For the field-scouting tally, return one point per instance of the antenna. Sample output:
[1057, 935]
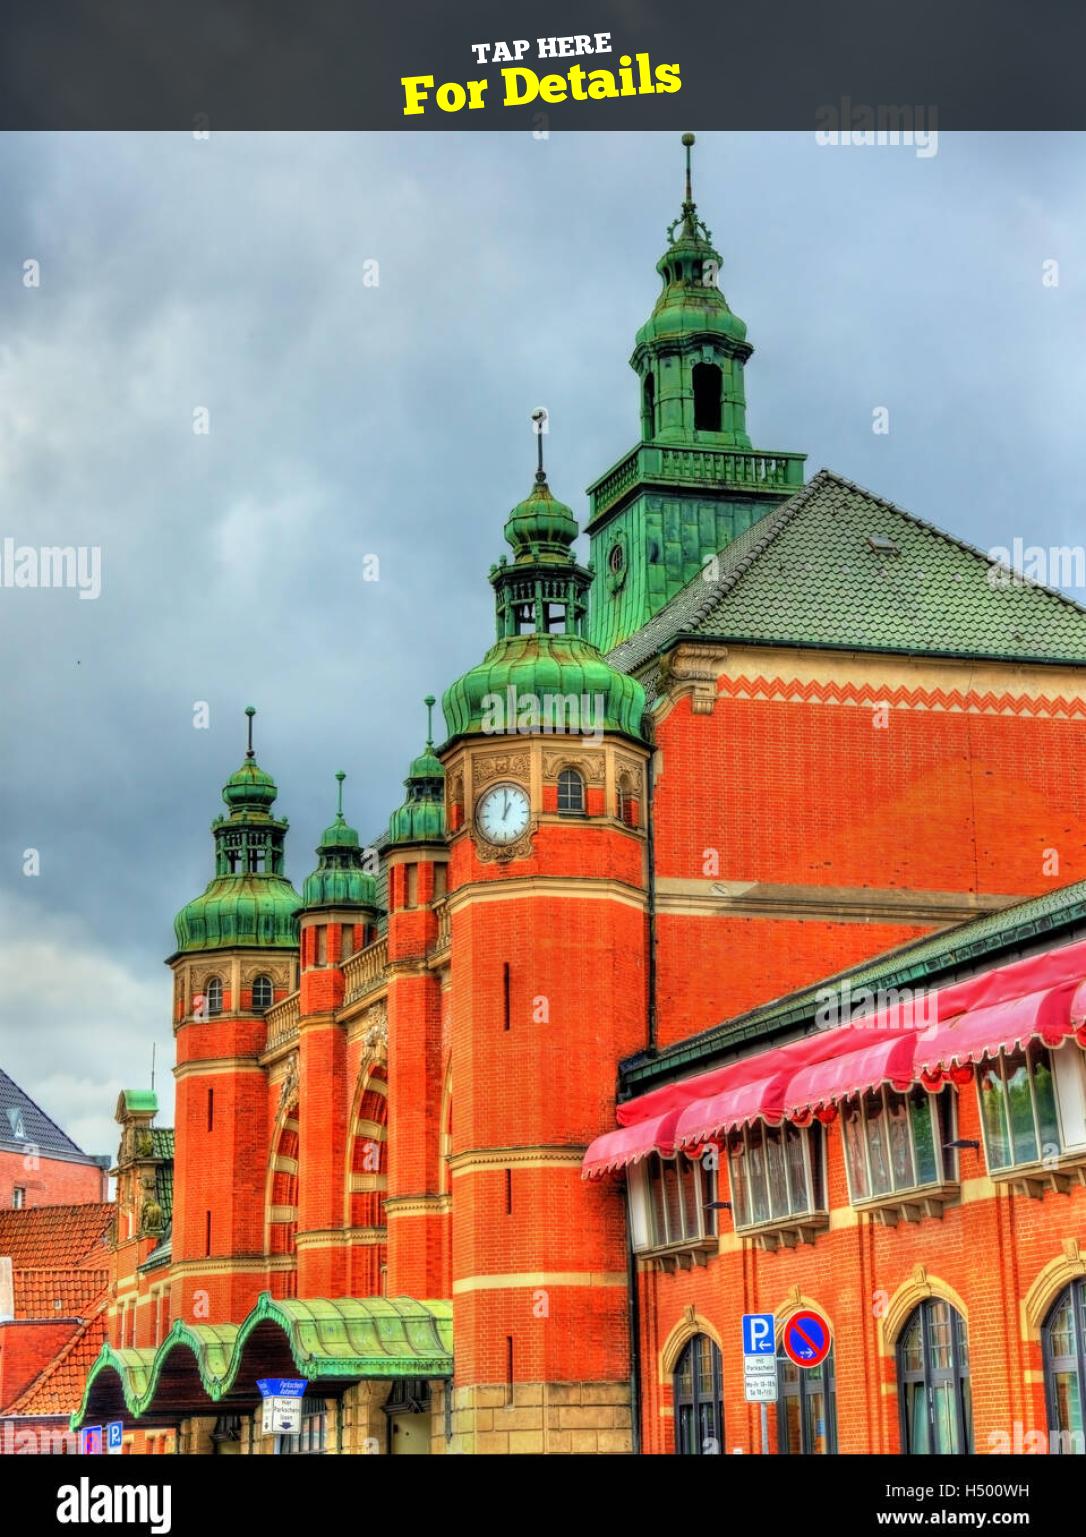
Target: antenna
[250, 712]
[153, 1044]
[539, 417]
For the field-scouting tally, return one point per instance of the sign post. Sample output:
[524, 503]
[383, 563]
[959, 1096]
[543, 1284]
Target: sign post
[282, 1404]
[760, 1367]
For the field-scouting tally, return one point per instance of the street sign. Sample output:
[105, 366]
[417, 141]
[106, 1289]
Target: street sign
[90, 1441]
[282, 1404]
[115, 1438]
[806, 1339]
[760, 1379]
[758, 1334]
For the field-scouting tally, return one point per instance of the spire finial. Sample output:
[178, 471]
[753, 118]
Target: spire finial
[341, 776]
[539, 417]
[429, 702]
[250, 712]
[688, 141]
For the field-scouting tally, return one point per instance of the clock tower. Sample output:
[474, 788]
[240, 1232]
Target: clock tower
[545, 767]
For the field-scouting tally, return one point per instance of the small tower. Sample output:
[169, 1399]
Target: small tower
[339, 916]
[694, 482]
[416, 855]
[236, 954]
[545, 767]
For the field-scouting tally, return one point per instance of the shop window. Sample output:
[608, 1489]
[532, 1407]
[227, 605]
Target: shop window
[670, 1200]
[1032, 1106]
[933, 1381]
[214, 995]
[896, 1144]
[777, 1176]
[806, 1408]
[263, 993]
[312, 1440]
[570, 793]
[1063, 1339]
[699, 1400]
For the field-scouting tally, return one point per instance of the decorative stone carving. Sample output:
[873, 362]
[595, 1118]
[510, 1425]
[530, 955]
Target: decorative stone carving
[499, 766]
[591, 765]
[692, 670]
[288, 1086]
[491, 853]
[375, 1034]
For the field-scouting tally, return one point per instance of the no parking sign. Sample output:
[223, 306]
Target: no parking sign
[806, 1339]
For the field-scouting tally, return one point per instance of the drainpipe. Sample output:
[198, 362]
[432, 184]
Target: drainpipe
[633, 1314]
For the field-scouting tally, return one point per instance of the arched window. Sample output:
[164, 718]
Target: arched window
[1064, 1342]
[649, 402]
[806, 1407]
[214, 995]
[707, 383]
[570, 793]
[263, 993]
[626, 806]
[933, 1381]
[699, 1400]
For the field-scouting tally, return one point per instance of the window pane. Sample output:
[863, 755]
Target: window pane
[705, 1368]
[674, 1203]
[877, 1144]
[656, 1199]
[797, 1170]
[778, 1182]
[901, 1158]
[939, 1336]
[815, 1420]
[756, 1175]
[1044, 1094]
[924, 1114]
[944, 1422]
[916, 1418]
[854, 1149]
[1020, 1105]
[992, 1108]
[740, 1184]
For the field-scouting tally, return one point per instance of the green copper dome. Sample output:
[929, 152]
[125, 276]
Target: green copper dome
[341, 878]
[421, 818]
[249, 901]
[542, 675]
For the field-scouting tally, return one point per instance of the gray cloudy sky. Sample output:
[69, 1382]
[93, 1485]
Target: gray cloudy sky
[394, 420]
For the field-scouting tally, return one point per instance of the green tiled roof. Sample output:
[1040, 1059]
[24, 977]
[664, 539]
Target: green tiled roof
[838, 566]
[1036, 921]
[331, 1341]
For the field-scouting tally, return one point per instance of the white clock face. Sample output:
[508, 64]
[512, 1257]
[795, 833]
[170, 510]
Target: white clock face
[502, 814]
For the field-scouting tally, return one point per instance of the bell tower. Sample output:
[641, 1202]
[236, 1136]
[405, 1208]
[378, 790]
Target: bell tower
[544, 766]
[693, 483]
[237, 946]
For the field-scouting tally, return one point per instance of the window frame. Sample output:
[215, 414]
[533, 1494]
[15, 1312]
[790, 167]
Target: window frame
[1073, 1295]
[697, 1398]
[213, 996]
[565, 776]
[803, 1380]
[944, 1119]
[645, 1224]
[814, 1213]
[1015, 1166]
[262, 977]
[929, 1377]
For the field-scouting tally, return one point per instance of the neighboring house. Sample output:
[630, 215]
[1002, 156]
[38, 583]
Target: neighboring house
[54, 1291]
[40, 1165]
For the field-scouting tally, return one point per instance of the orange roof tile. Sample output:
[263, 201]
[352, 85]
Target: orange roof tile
[59, 1388]
[51, 1292]
[56, 1237]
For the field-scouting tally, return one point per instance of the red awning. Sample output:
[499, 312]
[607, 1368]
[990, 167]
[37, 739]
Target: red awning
[1049, 1016]
[628, 1145]
[886, 1060]
[707, 1118]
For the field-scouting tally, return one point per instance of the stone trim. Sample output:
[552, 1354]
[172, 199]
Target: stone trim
[533, 1280]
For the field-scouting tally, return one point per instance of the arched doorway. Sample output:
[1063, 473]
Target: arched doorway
[699, 1399]
[1063, 1340]
[933, 1381]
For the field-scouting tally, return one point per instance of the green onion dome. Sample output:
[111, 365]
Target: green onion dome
[341, 878]
[249, 901]
[421, 818]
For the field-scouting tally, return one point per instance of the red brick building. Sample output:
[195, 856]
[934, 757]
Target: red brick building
[772, 733]
[40, 1165]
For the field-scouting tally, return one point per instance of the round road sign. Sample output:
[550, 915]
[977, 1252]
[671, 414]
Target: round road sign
[807, 1339]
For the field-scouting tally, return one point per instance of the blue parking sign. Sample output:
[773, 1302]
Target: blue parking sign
[758, 1339]
[115, 1437]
